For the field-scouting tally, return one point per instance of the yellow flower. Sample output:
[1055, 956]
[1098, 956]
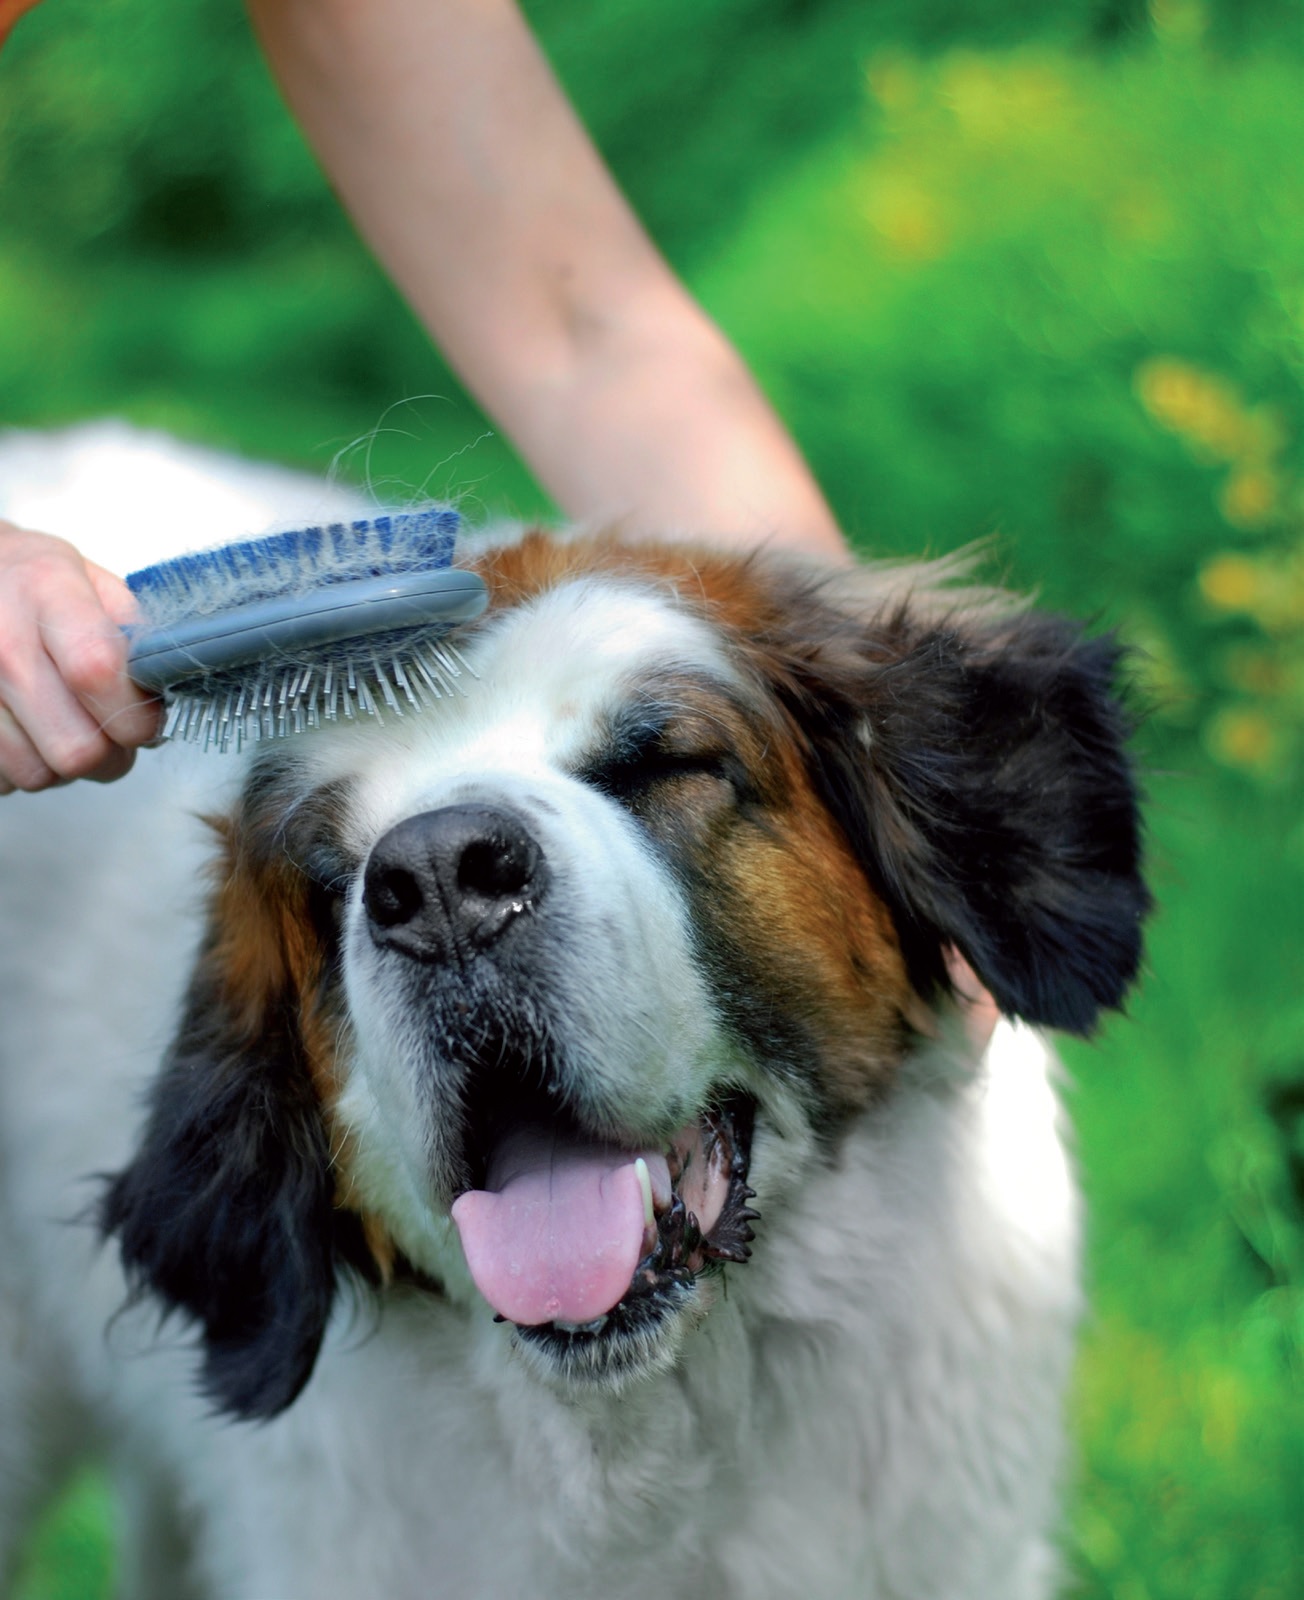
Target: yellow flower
[1248, 498]
[908, 219]
[1204, 410]
[1243, 737]
[1230, 582]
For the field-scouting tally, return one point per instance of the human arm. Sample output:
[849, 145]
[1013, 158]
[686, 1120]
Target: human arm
[461, 160]
[466, 169]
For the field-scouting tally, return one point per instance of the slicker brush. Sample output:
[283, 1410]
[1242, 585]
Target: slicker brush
[273, 636]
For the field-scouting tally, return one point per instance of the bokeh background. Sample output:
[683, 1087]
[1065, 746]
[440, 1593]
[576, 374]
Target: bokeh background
[1025, 272]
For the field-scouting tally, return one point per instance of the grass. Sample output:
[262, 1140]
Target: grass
[70, 1556]
[1189, 1408]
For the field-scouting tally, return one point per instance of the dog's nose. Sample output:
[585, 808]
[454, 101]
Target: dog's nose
[448, 881]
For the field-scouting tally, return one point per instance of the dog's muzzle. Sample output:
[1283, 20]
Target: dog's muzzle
[568, 1234]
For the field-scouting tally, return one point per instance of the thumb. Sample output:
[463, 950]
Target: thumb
[117, 599]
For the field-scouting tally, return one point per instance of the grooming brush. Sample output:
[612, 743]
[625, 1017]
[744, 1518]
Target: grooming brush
[268, 637]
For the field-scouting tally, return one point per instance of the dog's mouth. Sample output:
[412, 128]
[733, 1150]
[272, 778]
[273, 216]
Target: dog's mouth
[578, 1241]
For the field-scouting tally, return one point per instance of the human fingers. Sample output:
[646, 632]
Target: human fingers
[19, 755]
[129, 715]
[21, 764]
[69, 709]
[51, 738]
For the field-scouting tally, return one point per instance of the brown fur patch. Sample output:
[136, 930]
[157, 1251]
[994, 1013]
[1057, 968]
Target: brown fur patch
[779, 897]
[783, 890]
[267, 959]
[728, 586]
[825, 941]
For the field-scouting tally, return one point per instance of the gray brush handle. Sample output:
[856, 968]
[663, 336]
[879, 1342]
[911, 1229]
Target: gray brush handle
[293, 626]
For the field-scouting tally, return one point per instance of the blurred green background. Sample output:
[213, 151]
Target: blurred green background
[1033, 272]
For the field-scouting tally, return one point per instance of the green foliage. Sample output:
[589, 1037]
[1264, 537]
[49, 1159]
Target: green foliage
[1060, 298]
[1189, 1409]
[1030, 271]
[169, 252]
[70, 1556]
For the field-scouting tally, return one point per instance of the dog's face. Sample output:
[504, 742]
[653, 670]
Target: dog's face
[559, 981]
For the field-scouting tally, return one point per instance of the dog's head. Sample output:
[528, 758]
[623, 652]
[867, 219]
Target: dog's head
[555, 981]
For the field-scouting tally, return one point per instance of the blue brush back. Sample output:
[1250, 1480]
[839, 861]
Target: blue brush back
[298, 561]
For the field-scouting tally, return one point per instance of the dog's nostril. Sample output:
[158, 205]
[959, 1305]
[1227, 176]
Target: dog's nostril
[496, 867]
[444, 883]
[392, 897]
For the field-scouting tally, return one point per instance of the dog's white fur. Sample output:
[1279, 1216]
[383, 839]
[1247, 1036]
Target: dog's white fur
[873, 1409]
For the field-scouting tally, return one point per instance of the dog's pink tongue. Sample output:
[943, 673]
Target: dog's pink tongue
[557, 1235]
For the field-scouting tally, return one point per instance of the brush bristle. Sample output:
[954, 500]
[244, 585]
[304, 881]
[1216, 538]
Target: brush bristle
[297, 561]
[375, 681]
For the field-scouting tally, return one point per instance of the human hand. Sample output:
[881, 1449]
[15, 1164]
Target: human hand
[67, 708]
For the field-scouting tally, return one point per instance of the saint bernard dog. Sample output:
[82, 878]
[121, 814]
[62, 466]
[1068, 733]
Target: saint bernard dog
[533, 1147]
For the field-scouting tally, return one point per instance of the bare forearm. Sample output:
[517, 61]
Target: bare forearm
[664, 428]
[446, 135]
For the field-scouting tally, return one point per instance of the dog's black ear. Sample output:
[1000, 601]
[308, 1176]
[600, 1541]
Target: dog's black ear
[226, 1212]
[978, 764]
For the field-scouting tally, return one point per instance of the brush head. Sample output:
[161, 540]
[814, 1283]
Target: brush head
[272, 636]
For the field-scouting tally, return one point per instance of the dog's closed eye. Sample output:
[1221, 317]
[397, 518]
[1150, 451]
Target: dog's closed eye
[659, 741]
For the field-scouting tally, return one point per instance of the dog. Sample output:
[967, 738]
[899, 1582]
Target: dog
[533, 1147]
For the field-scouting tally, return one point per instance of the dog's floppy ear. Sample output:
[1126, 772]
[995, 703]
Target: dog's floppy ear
[227, 1212]
[977, 762]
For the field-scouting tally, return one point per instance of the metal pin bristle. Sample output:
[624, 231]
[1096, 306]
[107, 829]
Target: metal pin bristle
[225, 715]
